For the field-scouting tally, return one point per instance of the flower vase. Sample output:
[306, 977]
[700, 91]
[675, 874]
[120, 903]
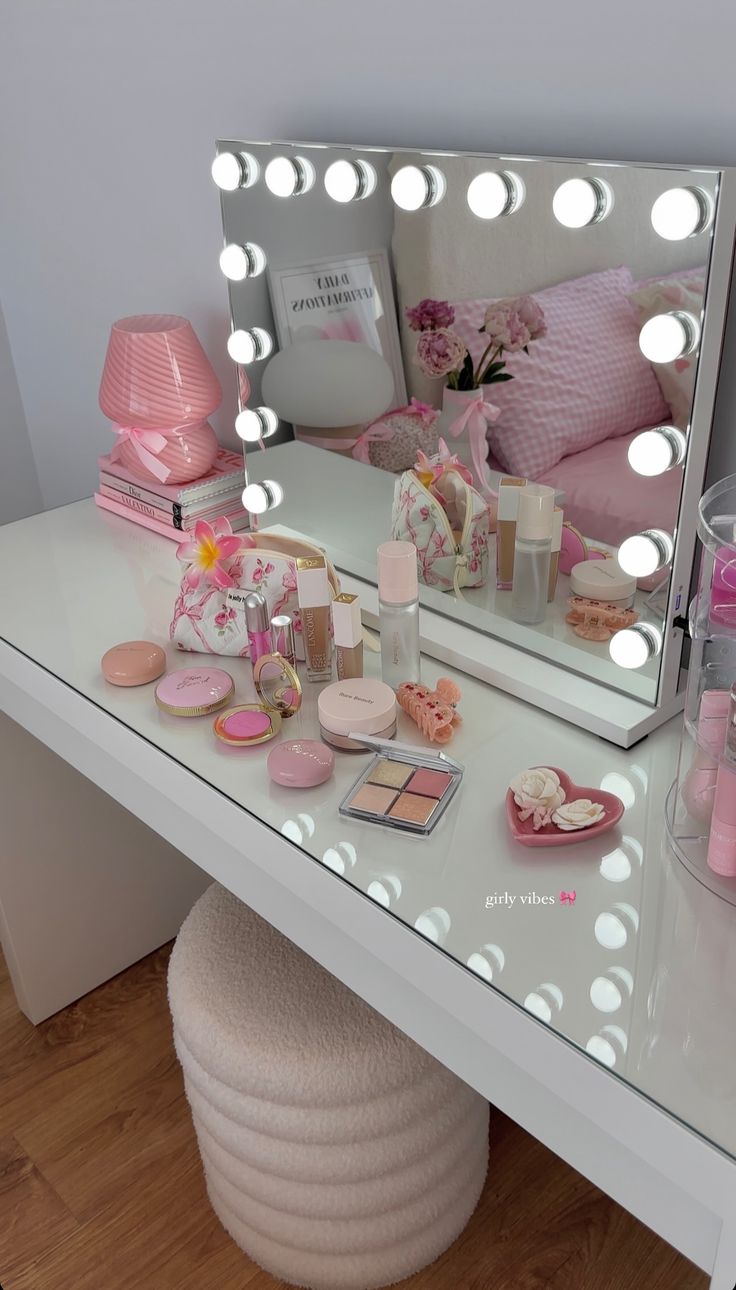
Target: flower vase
[463, 424]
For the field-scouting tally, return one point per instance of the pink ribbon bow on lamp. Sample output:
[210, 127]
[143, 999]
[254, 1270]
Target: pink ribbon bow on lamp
[476, 416]
[147, 444]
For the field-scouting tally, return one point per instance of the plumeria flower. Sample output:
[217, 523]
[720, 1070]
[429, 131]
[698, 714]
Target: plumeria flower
[430, 469]
[213, 543]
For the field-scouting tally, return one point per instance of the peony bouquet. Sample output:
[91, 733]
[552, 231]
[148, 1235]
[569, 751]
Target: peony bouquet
[509, 325]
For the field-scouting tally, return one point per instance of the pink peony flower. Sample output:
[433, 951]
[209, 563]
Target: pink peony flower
[430, 315]
[439, 352]
[532, 316]
[512, 324]
[212, 544]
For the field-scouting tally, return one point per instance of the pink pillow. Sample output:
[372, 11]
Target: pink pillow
[585, 381]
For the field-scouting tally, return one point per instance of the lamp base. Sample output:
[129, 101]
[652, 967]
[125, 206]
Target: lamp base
[188, 455]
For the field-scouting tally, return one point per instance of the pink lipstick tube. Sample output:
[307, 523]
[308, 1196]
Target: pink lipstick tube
[722, 840]
[258, 626]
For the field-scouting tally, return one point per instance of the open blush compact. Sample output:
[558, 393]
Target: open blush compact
[403, 788]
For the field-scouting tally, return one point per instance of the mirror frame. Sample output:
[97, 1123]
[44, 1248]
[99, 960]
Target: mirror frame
[590, 704]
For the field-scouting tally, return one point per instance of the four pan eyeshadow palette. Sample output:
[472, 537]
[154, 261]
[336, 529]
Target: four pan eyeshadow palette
[403, 788]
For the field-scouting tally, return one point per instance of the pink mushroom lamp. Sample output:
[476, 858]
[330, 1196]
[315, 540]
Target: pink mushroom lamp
[158, 388]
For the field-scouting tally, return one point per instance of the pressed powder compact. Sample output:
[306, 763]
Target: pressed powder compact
[247, 725]
[133, 663]
[194, 691]
[280, 692]
[404, 787]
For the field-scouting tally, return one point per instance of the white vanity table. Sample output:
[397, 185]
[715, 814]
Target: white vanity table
[639, 971]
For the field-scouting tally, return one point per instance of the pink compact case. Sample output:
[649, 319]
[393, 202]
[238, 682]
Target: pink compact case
[301, 763]
[194, 691]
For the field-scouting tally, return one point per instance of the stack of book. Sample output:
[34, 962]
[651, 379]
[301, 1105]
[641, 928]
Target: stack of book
[173, 509]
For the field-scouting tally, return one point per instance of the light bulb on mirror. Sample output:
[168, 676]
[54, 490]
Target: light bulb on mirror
[254, 424]
[655, 451]
[259, 498]
[681, 213]
[350, 181]
[634, 646]
[239, 262]
[233, 170]
[579, 202]
[645, 553]
[667, 337]
[414, 187]
[289, 176]
[249, 346]
[494, 193]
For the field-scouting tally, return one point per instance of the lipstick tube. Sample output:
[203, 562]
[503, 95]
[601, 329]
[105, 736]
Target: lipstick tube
[257, 625]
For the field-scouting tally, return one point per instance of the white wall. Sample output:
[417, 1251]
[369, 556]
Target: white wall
[20, 493]
[109, 109]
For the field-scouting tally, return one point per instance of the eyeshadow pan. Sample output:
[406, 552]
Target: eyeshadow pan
[413, 808]
[393, 774]
[373, 798]
[430, 783]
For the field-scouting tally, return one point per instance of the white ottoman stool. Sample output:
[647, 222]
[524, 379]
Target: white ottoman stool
[337, 1153]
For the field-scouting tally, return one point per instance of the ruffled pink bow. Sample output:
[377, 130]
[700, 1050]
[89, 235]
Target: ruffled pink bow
[147, 445]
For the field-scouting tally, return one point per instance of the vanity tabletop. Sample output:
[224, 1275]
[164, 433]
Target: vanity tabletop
[609, 941]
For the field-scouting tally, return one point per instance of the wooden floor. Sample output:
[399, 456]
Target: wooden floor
[100, 1187]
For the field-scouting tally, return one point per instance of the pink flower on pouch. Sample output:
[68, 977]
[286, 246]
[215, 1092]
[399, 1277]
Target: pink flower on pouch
[430, 315]
[224, 617]
[439, 352]
[262, 571]
[212, 544]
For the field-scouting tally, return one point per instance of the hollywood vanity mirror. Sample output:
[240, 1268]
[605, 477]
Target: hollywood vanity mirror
[595, 378]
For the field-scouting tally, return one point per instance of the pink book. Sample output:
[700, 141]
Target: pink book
[227, 471]
[156, 526]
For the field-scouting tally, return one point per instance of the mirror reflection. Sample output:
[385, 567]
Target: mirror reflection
[493, 358]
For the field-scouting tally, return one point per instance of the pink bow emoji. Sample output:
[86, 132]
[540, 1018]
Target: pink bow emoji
[147, 444]
[567, 897]
[476, 416]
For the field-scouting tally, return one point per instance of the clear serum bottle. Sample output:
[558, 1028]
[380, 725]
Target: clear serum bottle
[398, 612]
[532, 553]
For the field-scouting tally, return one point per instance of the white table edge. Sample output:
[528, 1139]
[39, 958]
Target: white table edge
[601, 1126]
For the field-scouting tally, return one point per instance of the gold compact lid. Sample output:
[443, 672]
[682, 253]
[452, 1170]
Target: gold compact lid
[277, 684]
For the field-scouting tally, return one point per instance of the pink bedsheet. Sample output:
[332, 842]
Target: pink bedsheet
[605, 499]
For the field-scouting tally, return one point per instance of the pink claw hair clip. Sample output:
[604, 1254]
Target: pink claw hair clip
[432, 710]
[430, 469]
[596, 620]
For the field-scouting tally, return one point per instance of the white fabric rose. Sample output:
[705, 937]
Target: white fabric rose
[578, 815]
[537, 793]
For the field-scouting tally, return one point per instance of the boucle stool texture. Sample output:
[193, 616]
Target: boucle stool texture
[337, 1153]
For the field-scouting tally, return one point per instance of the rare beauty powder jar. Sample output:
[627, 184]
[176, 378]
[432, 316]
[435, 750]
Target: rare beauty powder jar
[404, 788]
[194, 691]
[246, 725]
[360, 706]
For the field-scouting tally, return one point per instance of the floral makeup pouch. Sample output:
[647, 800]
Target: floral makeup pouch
[437, 508]
[209, 616]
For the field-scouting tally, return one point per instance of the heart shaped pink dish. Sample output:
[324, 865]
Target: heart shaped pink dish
[563, 805]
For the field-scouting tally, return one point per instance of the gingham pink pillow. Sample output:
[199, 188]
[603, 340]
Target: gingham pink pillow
[585, 381]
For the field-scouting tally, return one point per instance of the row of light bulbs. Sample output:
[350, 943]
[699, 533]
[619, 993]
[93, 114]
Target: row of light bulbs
[577, 202]
[676, 214]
